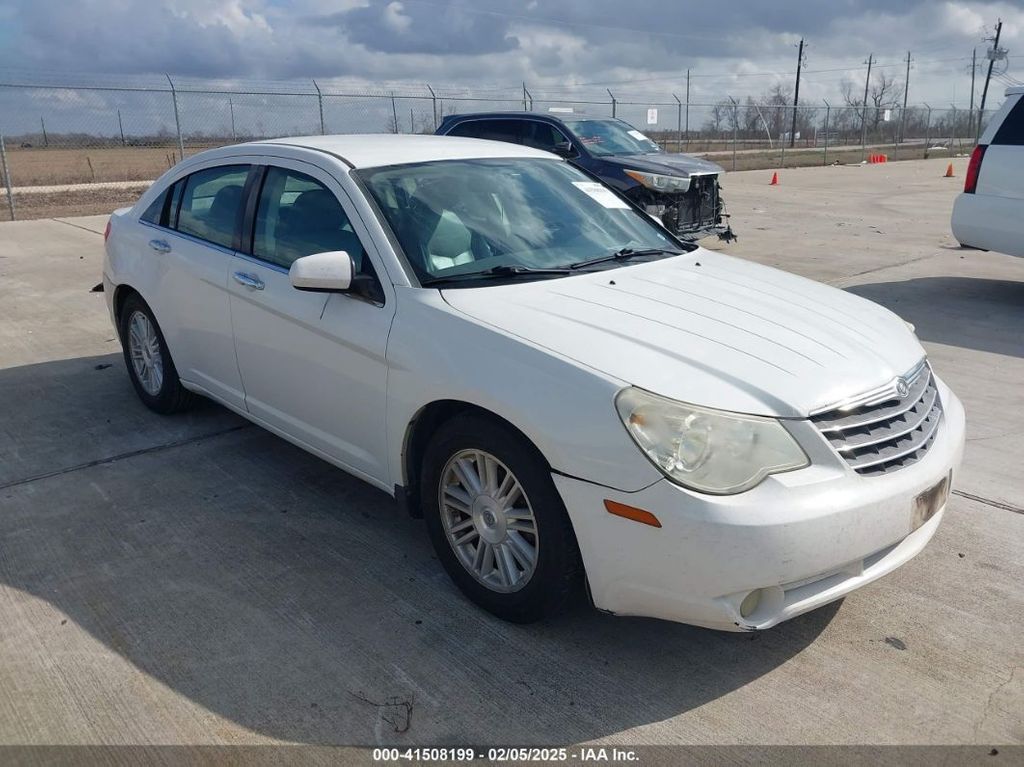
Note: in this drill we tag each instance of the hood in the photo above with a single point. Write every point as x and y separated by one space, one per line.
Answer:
664 162
708 329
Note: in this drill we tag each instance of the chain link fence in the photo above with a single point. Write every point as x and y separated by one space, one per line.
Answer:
109 135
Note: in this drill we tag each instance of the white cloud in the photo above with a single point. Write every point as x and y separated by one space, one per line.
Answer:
394 18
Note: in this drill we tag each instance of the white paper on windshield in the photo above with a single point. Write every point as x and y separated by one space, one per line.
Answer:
601 194
638 135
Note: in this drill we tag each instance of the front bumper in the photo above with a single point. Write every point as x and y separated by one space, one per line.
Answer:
696 212
805 538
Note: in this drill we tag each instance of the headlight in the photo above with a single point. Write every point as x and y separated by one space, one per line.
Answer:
711 451
660 183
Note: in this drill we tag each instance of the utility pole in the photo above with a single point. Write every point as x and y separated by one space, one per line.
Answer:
120 126
903 114
993 55
796 92
864 109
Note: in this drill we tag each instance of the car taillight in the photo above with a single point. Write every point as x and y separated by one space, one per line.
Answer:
973 168
106 232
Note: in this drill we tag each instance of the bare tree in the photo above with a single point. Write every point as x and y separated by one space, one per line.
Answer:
883 93
717 116
776 102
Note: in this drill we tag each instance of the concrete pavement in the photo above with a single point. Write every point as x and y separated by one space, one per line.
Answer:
194 579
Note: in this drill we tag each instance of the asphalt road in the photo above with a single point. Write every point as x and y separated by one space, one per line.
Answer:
194 579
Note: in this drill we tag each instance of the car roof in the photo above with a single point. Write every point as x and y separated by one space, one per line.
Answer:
375 150
519 115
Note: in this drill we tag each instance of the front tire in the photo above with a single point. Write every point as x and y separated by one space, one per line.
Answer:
497 522
149 363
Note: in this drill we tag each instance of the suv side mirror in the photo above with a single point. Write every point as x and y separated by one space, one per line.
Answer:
565 149
329 272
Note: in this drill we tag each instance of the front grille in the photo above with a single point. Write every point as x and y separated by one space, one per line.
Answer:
698 208
695 210
885 431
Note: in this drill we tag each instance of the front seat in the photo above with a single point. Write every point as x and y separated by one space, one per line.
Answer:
314 224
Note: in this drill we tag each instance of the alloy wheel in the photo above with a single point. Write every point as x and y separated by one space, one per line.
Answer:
488 520
144 350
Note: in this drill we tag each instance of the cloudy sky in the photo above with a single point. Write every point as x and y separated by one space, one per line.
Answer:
639 49
627 45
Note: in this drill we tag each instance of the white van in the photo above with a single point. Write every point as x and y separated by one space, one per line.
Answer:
989 214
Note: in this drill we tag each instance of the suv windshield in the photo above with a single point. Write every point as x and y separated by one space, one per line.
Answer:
611 137
506 217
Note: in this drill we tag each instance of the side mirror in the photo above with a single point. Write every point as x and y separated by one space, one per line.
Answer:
323 272
564 149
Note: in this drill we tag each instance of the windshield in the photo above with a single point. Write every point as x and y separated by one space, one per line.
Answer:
611 137
457 217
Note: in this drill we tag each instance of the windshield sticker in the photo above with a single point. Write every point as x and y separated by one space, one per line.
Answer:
638 135
600 193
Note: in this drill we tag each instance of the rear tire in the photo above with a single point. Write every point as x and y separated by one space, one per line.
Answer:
148 360
497 522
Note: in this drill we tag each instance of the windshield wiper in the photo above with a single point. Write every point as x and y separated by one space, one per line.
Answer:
500 271
624 255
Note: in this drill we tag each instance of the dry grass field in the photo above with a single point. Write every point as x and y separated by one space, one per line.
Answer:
38 166
46 167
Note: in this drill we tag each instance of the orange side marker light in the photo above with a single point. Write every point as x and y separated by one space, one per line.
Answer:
631 512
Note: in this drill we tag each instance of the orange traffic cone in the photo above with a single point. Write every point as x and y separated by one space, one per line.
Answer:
775 179
949 171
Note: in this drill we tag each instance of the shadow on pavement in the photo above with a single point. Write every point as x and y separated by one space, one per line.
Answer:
282 594
971 313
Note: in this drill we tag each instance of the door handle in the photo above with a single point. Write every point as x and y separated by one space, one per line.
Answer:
249 280
160 246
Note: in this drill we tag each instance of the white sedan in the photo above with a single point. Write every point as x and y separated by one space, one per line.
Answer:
574 400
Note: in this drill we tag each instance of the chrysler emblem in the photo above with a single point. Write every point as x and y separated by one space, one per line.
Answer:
901 387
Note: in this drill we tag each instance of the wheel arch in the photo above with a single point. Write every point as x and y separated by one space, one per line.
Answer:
418 432
121 294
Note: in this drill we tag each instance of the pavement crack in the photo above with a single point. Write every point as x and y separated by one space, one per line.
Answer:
77 226
991 699
395 711
989 502
836 282
122 456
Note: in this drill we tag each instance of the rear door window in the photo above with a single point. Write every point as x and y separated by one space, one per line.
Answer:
495 130
211 202
1012 130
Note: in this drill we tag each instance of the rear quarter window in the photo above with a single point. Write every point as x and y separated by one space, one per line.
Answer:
1012 130
163 210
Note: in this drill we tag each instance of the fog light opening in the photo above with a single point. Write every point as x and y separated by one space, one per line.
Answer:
750 603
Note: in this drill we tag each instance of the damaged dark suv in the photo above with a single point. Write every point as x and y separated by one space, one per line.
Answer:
679 190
